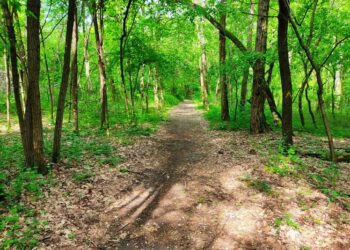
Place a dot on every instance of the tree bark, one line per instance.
(203, 64)
(86, 47)
(286, 79)
(225, 114)
(23, 68)
(8, 90)
(147, 88)
(249, 47)
(121, 54)
(101, 64)
(64, 82)
(155, 89)
(28, 152)
(257, 118)
(74, 73)
(270, 98)
(142, 85)
(33, 96)
(309, 104)
(50, 87)
(317, 67)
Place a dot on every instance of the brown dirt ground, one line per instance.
(187, 189)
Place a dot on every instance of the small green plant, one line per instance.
(82, 176)
(71, 236)
(112, 160)
(201, 200)
(261, 186)
(124, 170)
(286, 219)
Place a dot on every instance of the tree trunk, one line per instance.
(74, 72)
(147, 88)
(270, 98)
(8, 90)
(86, 47)
(249, 47)
(28, 152)
(301, 93)
(333, 156)
(225, 114)
(309, 104)
(101, 64)
(286, 79)
(113, 90)
(23, 60)
(64, 82)
(142, 85)
(121, 54)
(257, 118)
(156, 88)
(203, 64)
(50, 87)
(33, 97)
(132, 91)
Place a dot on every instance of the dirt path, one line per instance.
(190, 188)
(197, 197)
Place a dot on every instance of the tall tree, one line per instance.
(121, 52)
(203, 61)
(98, 27)
(33, 116)
(64, 82)
(225, 114)
(86, 46)
(9, 22)
(8, 89)
(249, 47)
(74, 72)
(286, 79)
(318, 70)
(257, 118)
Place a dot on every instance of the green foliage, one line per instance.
(21, 227)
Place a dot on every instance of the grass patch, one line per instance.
(82, 176)
(288, 220)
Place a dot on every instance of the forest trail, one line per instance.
(187, 187)
(196, 196)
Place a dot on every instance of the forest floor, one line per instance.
(187, 187)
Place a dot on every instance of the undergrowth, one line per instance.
(83, 152)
